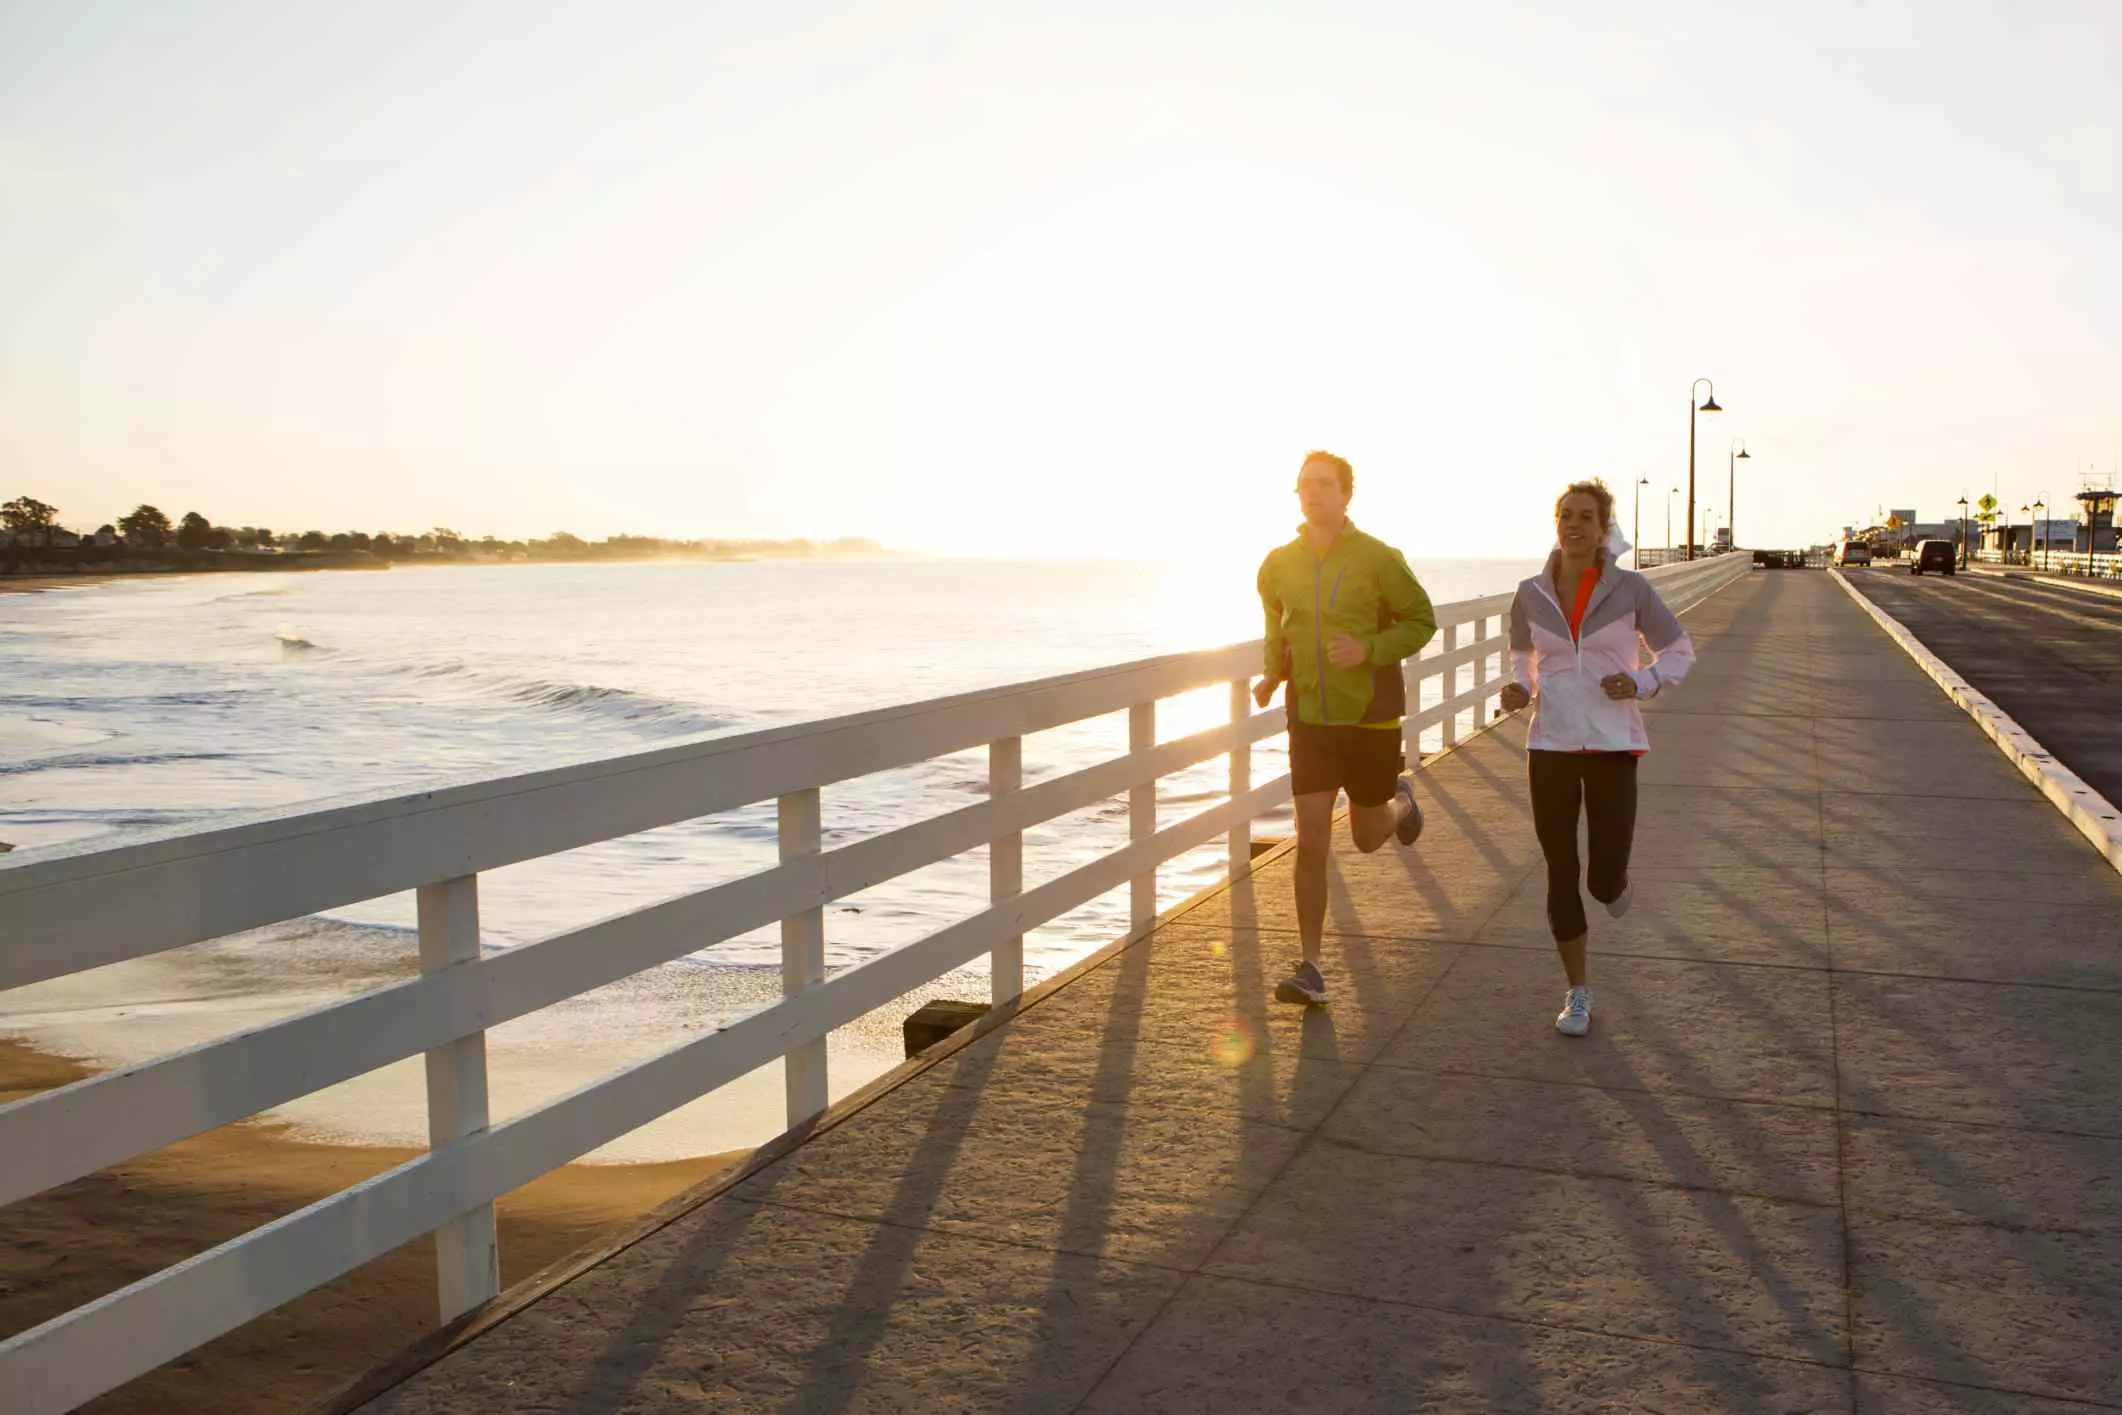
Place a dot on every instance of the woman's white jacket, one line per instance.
(1571, 712)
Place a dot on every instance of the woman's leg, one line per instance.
(1610, 821)
(1557, 790)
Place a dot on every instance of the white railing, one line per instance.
(70, 908)
(2101, 565)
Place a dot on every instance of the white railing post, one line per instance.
(1241, 775)
(1451, 686)
(1410, 734)
(467, 1255)
(1142, 815)
(1005, 869)
(1481, 674)
(803, 956)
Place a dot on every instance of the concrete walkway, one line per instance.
(1847, 1134)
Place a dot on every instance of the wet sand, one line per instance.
(30, 584)
(85, 1239)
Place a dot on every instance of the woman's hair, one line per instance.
(1596, 490)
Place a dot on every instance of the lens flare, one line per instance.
(1233, 1044)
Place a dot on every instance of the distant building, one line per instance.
(49, 538)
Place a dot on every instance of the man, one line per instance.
(1342, 611)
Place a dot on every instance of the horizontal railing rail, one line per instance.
(67, 909)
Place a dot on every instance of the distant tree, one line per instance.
(360, 540)
(107, 529)
(341, 541)
(312, 540)
(145, 526)
(193, 531)
(447, 541)
(26, 514)
(220, 538)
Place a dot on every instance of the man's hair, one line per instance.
(1596, 490)
(1343, 472)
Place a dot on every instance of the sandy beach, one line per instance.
(88, 1238)
(31, 584)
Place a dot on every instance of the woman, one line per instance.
(1577, 631)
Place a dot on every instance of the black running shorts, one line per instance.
(1363, 761)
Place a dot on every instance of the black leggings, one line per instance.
(1605, 783)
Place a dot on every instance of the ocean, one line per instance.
(148, 704)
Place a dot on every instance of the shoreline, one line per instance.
(78, 1242)
(37, 584)
(42, 581)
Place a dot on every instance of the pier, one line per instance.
(1843, 1138)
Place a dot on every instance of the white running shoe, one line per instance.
(1628, 897)
(1575, 1019)
(1305, 984)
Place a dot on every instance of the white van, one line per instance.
(1853, 552)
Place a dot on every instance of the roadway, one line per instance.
(2049, 655)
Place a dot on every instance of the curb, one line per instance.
(2093, 814)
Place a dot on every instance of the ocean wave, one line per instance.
(643, 712)
(73, 760)
(123, 702)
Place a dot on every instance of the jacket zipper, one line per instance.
(1319, 634)
(1576, 640)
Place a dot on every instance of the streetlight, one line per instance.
(1731, 493)
(2040, 511)
(1708, 405)
(1669, 523)
(1962, 504)
(1709, 515)
(1641, 482)
(2029, 532)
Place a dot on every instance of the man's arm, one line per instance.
(1414, 618)
(1274, 645)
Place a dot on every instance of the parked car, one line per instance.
(1853, 553)
(1932, 555)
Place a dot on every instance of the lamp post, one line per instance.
(1669, 523)
(2029, 533)
(1731, 490)
(1641, 482)
(1962, 504)
(1708, 405)
(2040, 511)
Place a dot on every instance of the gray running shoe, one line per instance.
(1305, 984)
(1410, 829)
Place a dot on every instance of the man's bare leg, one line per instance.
(1372, 826)
(1315, 838)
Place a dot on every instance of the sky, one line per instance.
(1080, 279)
